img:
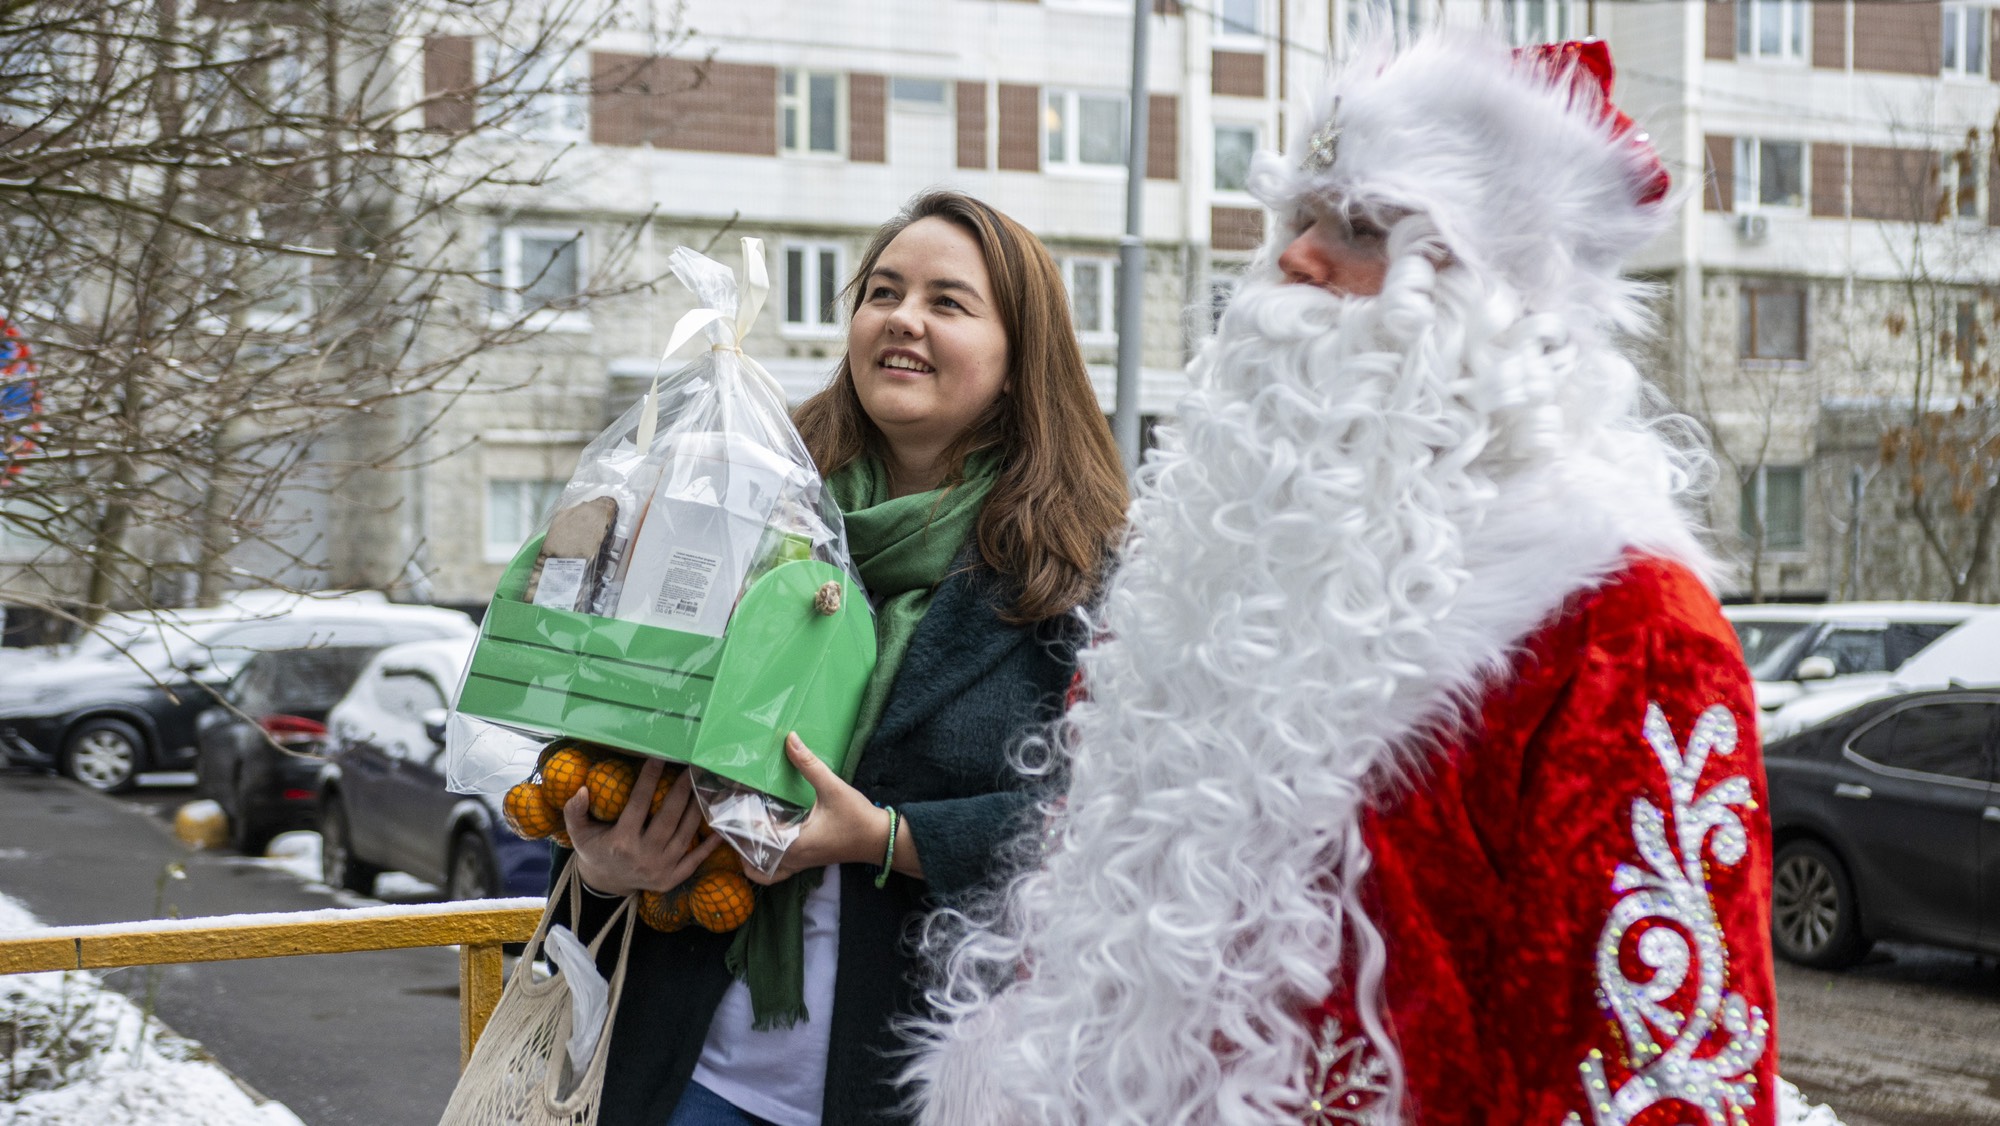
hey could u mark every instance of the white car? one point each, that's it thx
(1796, 650)
(1967, 656)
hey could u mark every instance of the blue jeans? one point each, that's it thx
(702, 1107)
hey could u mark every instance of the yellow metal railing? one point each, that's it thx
(478, 928)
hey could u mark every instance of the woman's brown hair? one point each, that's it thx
(1058, 506)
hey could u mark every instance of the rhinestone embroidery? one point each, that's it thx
(1348, 1079)
(1669, 897)
(1324, 145)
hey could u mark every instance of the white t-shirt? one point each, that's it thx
(780, 1074)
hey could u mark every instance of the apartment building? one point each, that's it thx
(1836, 156)
(1829, 290)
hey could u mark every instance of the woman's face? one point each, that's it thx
(1338, 252)
(927, 348)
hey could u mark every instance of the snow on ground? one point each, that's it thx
(1794, 1110)
(83, 1055)
(298, 854)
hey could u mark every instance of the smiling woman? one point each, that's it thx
(983, 497)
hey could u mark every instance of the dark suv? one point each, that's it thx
(1886, 821)
(258, 755)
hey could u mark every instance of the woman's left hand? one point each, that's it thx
(843, 827)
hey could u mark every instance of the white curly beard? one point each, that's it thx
(1367, 504)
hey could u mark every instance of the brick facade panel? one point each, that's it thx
(1899, 185)
(1719, 29)
(1020, 128)
(1829, 180)
(678, 104)
(1901, 38)
(1719, 193)
(1237, 74)
(448, 67)
(1235, 228)
(1163, 137)
(867, 118)
(971, 98)
(1829, 36)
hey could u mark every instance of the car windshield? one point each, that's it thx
(300, 681)
(1768, 647)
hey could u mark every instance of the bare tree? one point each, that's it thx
(1939, 443)
(235, 237)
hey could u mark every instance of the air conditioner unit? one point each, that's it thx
(1753, 227)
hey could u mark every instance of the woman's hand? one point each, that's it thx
(844, 827)
(639, 852)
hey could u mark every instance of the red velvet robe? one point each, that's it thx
(1525, 883)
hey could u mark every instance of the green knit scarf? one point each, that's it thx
(903, 548)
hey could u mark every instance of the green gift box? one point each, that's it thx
(793, 658)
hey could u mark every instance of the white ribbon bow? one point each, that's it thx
(755, 287)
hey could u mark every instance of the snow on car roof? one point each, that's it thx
(1968, 655)
(1824, 611)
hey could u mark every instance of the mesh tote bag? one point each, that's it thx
(520, 1074)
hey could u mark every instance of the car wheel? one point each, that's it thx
(248, 833)
(338, 865)
(1815, 919)
(469, 871)
(104, 754)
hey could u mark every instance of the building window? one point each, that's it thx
(1772, 29)
(1771, 323)
(514, 510)
(535, 270)
(812, 287)
(1964, 53)
(811, 107)
(1962, 185)
(1234, 146)
(1404, 17)
(536, 94)
(1966, 338)
(1238, 19)
(1540, 21)
(1083, 129)
(1769, 174)
(1093, 296)
(919, 93)
(1773, 507)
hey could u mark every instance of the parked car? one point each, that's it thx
(1886, 822)
(259, 753)
(1967, 656)
(1794, 650)
(383, 801)
(125, 699)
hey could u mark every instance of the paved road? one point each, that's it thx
(1909, 1038)
(365, 1039)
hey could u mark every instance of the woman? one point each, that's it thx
(983, 496)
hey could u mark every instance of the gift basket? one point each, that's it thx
(690, 598)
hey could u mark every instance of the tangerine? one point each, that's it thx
(563, 772)
(527, 811)
(723, 859)
(610, 783)
(721, 901)
(561, 837)
(665, 910)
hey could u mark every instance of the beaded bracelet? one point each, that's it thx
(888, 854)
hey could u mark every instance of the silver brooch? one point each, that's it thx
(1324, 145)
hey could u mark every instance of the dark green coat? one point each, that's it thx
(969, 687)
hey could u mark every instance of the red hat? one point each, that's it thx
(1587, 63)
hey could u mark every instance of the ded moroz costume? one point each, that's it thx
(1416, 778)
